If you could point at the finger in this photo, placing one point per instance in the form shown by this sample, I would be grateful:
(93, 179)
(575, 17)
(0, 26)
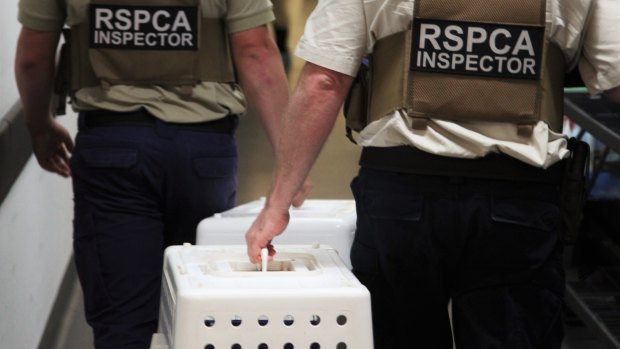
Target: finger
(302, 194)
(48, 165)
(254, 253)
(65, 162)
(68, 144)
(256, 244)
(64, 153)
(272, 251)
(252, 247)
(64, 169)
(298, 200)
(60, 166)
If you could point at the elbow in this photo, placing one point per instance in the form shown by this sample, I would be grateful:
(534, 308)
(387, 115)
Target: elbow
(35, 54)
(326, 83)
(326, 80)
(257, 53)
(25, 65)
(253, 50)
(29, 62)
(29, 69)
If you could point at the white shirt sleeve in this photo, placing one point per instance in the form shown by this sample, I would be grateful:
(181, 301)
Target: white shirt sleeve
(600, 61)
(335, 36)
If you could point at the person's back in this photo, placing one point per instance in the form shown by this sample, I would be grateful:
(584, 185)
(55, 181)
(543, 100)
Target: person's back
(462, 161)
(159, 87)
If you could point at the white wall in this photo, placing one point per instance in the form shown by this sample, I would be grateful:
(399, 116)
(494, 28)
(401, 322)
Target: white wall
(35, 224)
(35, 247)
(9, 27)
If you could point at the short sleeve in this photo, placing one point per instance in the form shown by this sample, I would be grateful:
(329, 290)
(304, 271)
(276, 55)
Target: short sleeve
(244, 14)
(335, 36)
(600, 61)
(43, 15)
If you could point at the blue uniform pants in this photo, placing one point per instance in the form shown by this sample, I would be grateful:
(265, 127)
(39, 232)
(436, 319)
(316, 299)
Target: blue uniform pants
(139, 188)
(489, 246)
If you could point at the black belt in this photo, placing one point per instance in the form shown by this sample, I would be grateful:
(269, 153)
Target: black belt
(492, 166)
(106, 118)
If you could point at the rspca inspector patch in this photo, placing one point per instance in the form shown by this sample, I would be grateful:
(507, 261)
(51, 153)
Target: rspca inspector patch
(484, 49)
(144, 27)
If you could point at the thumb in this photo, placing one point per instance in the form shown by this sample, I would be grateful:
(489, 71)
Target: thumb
(302, 193)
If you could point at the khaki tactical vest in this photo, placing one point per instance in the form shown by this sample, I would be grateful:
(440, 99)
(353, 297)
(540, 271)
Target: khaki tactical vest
(166, 42)
(469, 60)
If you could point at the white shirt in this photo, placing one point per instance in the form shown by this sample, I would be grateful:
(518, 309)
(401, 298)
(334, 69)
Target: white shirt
(339, 33)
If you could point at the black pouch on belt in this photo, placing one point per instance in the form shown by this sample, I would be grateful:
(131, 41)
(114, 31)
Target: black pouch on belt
(355, 108)
(62, 78)
(573, 191)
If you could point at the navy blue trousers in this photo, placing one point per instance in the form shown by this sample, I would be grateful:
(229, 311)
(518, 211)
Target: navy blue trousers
(489, 246)
(140, 188)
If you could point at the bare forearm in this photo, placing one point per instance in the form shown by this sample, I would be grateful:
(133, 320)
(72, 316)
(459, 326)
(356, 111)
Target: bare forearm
(34, 74)
(307, 123)
(262, 77)
(34, 87)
